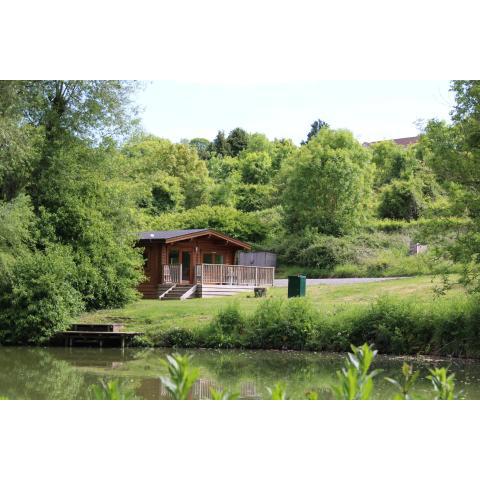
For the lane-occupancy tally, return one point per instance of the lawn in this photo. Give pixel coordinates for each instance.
(189, 313)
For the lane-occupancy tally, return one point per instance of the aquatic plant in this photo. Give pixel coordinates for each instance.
(405, 386)
(356, 379)
(278, 392)
(443, 384)
(111, 390)
(223, 395)
(181, 376)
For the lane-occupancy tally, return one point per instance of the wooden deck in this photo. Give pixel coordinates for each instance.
(96, 334)
(234, 275)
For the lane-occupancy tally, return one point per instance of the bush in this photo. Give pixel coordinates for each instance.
(229, 319)
(175, 337)
(38, 300)
(281, 324)
(326, 252)
(401, 200)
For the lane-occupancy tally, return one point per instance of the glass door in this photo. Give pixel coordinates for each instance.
(186, 270)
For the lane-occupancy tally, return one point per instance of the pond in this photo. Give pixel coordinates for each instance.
(62, 373)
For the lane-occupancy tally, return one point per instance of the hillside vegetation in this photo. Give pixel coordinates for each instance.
(79, 178)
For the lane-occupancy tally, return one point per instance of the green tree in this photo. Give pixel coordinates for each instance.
(150, 157)
(401, 200)
(256, 167)
(220, 145)
(202, 146)
(237, 141)
(453, 153)
(245, 226)
(315, 127)
(392, 161)
(17, 232)
(38, 299)
(281, 150)
(327, 184)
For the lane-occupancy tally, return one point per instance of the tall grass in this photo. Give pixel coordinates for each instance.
(444, 326)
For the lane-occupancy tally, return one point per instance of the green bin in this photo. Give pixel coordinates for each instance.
(297, 285)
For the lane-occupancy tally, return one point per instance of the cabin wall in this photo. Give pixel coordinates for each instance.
(157, 254)
(152, 268)
(199, 246)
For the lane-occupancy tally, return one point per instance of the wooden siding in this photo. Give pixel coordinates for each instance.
(157, 253)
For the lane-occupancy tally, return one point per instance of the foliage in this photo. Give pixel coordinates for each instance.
(111, 390)
(220, 145)
(392, 162)
(175, 337)
(20, 147)
(406, 385)
(453, 152)
(150, 159)
(327, 184)
(229, 319)
(16, 229)
(255, 167)
(254, 198)
(237, 141)
(228, 220)
(202, 145)
(356, 379)
(316, 126)
(281, 324)
(401, 200)
(443, 384)
(278, 392)
(39, 299)
(181, 376)
(223, 395)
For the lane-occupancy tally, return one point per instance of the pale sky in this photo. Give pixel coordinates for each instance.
(372, 110)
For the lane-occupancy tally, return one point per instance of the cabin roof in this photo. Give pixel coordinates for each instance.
(169, 236)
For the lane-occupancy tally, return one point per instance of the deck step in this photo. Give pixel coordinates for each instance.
(177, 292)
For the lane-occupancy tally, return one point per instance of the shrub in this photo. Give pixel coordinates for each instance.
(38, 299)
(175, 337)
(229, 319)
(327, 252)
(281, 324)
(401, 200)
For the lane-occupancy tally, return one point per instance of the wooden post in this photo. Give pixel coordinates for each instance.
(256, 275)
(123, 342)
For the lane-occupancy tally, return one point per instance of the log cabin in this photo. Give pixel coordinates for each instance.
(200, 262)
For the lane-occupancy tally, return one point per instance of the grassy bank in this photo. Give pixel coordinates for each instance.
(144, 314)
(398, 316)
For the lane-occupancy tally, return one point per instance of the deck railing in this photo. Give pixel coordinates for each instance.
(172, 273)
(220, 274)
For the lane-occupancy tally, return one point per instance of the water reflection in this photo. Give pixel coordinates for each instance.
(58, 373)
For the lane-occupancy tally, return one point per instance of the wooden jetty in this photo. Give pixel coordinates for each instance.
(101, 334)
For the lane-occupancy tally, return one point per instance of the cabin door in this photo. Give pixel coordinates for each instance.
(187, 269)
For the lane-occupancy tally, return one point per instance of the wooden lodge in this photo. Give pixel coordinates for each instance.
(181, 264)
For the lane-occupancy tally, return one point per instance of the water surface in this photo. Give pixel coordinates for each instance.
(63, 373)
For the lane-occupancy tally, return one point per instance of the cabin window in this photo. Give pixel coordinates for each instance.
(212, 258)
(146, 258)
(173, 257)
